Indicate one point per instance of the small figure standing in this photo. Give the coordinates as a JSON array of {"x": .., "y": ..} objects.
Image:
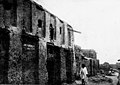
[{"x": 83, "y": 74}]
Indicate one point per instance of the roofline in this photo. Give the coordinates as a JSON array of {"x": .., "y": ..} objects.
[{"x": 49, "y": 12}]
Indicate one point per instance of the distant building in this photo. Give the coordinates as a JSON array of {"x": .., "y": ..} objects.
[
  {"x": 89, "y": 53},
  {"x": 87, "y": 57}
]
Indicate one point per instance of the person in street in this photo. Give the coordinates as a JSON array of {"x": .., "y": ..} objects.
[{"x": 83, "y": 74}]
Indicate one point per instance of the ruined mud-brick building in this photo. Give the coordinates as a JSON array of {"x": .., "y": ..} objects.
[
  {"x": 87, "y": 57},
  {"x": 36, "y": 47}
]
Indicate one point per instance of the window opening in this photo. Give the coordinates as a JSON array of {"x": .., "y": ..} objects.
[
  {"x": 60, "y": 30},
  {"x": 51, "y": 32},
  {"x": 39, "y": 29},
  {"x": 69, "y": 37},
  {"x": 40, "y": 23}
]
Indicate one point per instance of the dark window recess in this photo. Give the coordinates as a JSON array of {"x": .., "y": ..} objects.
[
  {"x": 60, "y": 30},
  {"x": 63, "y": 39},
  {"x": 51, "y": 32},
  {"x": 40, "y": 23},
  {"x": 14, "y": 13},
  {"x": 69, "y": 37},
  {"x": 1, "y": 1},
  {"x": 7, "y": 4},
  {"x": 39, "y": 7},
  {"x": 55, "y": 31},
  {"x": 44, "y": 26},
  {"x": 39, "y": 29},
  {"x": 30, "y": 16},
  {"x": 23, "y": 23}
]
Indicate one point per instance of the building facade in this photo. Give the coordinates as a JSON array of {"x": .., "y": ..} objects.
[{"x": 36, "y": 47}]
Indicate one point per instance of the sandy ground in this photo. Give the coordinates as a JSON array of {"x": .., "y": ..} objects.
[
  {"x": 91, "y": 83},
  {"x": 114, "y": 78}
]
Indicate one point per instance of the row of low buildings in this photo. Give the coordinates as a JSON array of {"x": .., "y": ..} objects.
[
  {"x": 87, "y": 57},
  {"x": 36, "y": 47}
]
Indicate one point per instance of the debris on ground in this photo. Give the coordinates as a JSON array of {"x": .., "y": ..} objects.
[{"x": 99, "y": 79}]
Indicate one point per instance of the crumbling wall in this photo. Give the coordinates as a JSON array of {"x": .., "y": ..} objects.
[
  {"x": 24, "y": 15},
  {"x": 60, "y": 30},
  {"x": 4, "y": 57},
  {"x": 8, "y": 14},
  {"x": 20, "y": 21},
  {"x": 78, "y": 58},
  {"x": 92, "y": 63},
  {"x": 38, "y": 20},
  {"x": 69, "y": 66},
  {"x": 1, "y": 16},
  {"x": 43, "y": 75},
  {"x": 63, "y": 55},
  {"x": 22, "y": 64},
  {"x": 90, "y": 53},
  {"x": 30, "y": 59},
  {"x": 15, "y": 54}
]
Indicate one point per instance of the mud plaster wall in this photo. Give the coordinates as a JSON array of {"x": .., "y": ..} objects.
[
  {"x": 15, "y": 74},
  {"x": 63, "y": 55},
  {"x": 58, "y": 41},
  {"x": 27, "y": 16},
  {"x": 1, "y": 15},
  {"x": 24, "y": 15},
  {"x": 66, "y": 35},
  {"x": 69, "y": 66},
  {"x": 43, "y": 75},
  {"x": 78, "y": 58},
  {"x": 50, "y": 19},
  {"x": 60, "y": 36},
  {"x": 47, "y": 20},
  {"x": 8, "y": 17},
  {"x": 58, "y": 32},
  {"x": 15, "y": 54},
  {"x": 37, "y": 14},
  {"x": 20, "y": 14}
]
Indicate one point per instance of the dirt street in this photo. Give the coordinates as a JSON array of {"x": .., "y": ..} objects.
[
  {"x": 91, "y": 83},
  {"x": 114, "y": 78}
]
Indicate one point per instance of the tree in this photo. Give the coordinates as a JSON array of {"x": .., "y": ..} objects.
[{"x": 106, "y": 67}]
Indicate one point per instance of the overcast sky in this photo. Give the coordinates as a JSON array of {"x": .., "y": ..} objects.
[{"x": 98, "y": 20}]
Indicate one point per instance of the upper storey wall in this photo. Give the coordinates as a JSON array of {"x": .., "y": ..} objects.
[{"x": 28, "y": 15}]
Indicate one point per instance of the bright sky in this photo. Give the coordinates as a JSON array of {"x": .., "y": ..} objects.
[{"x": 98, "y": 20}]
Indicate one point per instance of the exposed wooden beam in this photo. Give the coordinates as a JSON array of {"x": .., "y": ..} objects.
[
  {"x": 118, "y": 59},
  {"x": 75, "y": 31}
]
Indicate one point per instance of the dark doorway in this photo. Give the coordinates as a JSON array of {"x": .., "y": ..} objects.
[
  {"x": 53, "y": 65},
  {"x": 91, "y": 67},
  {"x": 30, "y": 59},
  {"x": 4, "y": 56},
  {"x": 68, "y": 66}
]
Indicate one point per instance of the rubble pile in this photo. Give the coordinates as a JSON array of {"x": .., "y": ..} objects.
[{"x": 99, "y": 79}]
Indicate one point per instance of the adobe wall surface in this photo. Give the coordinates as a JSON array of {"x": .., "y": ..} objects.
[
  {"x": 15, "y": 55},
  {"x": 63, "y": 55},
  {"x": 43, "y": 74}
]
